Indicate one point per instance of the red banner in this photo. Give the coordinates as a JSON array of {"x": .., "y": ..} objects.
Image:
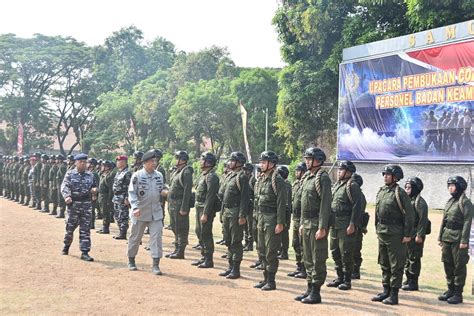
[{"x": 20, "y": 140}]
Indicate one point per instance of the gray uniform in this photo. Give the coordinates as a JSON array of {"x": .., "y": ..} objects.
[{"x": 144, "y": 193}]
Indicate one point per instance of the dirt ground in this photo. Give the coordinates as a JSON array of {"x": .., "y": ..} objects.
[{"x": 36, "y": 279}]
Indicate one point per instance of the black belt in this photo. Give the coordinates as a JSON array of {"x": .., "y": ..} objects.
[
  {"x": 83, "y": 198},
  {"x": 231, "y": 205},
  {"x": 390, "y": 221},
  {"x": 454, "y": 225}
]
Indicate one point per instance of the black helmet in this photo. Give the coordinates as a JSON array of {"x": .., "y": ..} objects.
[
  {"x": 238, "y": 156},
  {"x": 138, "y": 154},
  {"x": 301, "y": 167},
  {"x": 92, "y": 161},
  {"x": 16, "y": 158},
  {"x": 358, "y": 179},
  {"x": 347, "y": 165},
  {"x": 315, "y": 153},
  {"x": 37, "y": 155},
  {"x": 283, "y": 171},
  {"x": 158, "y": 153},
  {"x": 70, "y": 157},
  {"x": 248, "y": 167},
  {"x": 60, "y": 157},
  {"x": 44, "y": 157},
  {"x": 108, "y": 163},
  {"x": 459, "y": 182},
  {"x": 394, "y": 170},
  {"x": 209, "y": 157},
  {"x": 415, "y": 183},
  {"x": 181, "y": 155},
  {"x": 99, "y": 162},
  {"x": 269, "y": 156}
]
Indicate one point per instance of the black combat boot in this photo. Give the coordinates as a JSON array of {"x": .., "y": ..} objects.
[
  {"x": 302, "y": 274},
  {"x": 249, "y": 245},
  {"x": 298, "y": 270},
  {"x": 65, "y": 250},
  {"x": 172, "y": 253},
  {"x": 393, "y": 298},
  {"x": 356, "y": 273},
  {"x": 179, "y": 254},
  {"x": 104, "y": 230},
  {"x": 261, "y": 284},
  {"x": 256, "y": 264},
  {"x": 235, "y": 273},
  {"x": 338, "y": 280},
  {"x": 457, "y": 297},
  {"x": 381, "y": 296},
  {"x": 131, "y": 264},
  {"x": 305, "y": 294},
  {"x": 314, "y": 296},
  {"x": 228, "y": 271},
  {"x": 61, "y": 213},
  {"x": 346, "y": 285},
  {"x": 208, "y": 262},
  {"x": 412, "y": 284},
  {"x": 283, "y": 255},
  {"x": 271, "y": 285},
  {"x": 449, "y": 293},
  {"x": 38, "y": 206},
  {"x": 198, "y": 262},
  {"x": 33, "y": 205},
  {"x": 197, "y": 246},
  {"x": 122, "y": 235},
  {"x": 22, "y": 200},
  {"x": 156, "y": 267},
  {"x": 85, "y": 256}
]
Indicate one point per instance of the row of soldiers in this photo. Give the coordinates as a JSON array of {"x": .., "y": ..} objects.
[{"x": 325, "y": 217}]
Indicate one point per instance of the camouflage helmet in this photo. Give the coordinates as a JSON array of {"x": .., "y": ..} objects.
[
  {"x": 37, "y": 155},
  {"x": 315, "y": 153},
  {"x": 108, "y": 164},
  {"x": 238, "y": 156},
  {"x": 358, "y": 179},
  {"x": 301, "y": 167},
  {"x": 138, "y": 154},
  {"x": 158, "y": 153},
  {"x": 415, "y": 183},
  {"x": 181, "y": 155},
  {"x": 394, "y": 170},
  {"x": 347, "y": 165},
  {"x": 209, "y": 157},
  {"x": 269, "y": 156},
  {"x": 44, "y": 157},
  {"x": 92, "y": 161},
  {"x": 459, "y": 182},
  {"x": 283, "y": 171}
]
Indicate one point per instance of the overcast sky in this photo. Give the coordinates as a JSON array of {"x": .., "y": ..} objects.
[{"x": 244, "y": 26}]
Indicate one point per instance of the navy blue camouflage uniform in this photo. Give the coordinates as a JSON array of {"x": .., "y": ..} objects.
[
  {"x": 121, "y": 208},
  {"x": 78, "y": 186}
]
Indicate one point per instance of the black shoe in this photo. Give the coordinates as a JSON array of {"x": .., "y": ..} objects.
[
  {"x": 260, "y": 267},
  {"x": 198, "y": 246},
  {"x": 220, "y": 242},
  {"x": 224, "y": 256},
  {"x": 446, "y": 295},
  {"x": 172, "y": 253},
  {"x": 305, "y": 294},
  {"x": 65, "y": 250},
  {"x": 298, "y": 270},
  {"x": 314, "y": 296},
  {"x": 228, "y": 270},
  {"x": 131, "y": 264},
  {"x": 179, "y": 254},
  {"x": 271, "y": 285},
  {"x": 197, "y": 262},
  {"x": 85, "y": 256},
  {"x": 346, "y": 285},
  {"x": 355, "y": 275},
  {"x": 261, "y": 284},
  {"x": 302, "y": 274},
  {"x": 381, "y": 296},
  {"x": 283, "y": 255},
  {"x": 208, "y": 262},
  {"x": 249, "y": 246},
  {"x": 235, "y": 272},
  {"x": 393, "y": 298},
  {"x": 412, "y": 285},
  {"x": 256, "y": 264},
  {"x": 121, "y": 236},
  {"x": 104, "y": 230},
  {"x": 457, "y": 297},
  {"x": 336, "y": 282}
]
